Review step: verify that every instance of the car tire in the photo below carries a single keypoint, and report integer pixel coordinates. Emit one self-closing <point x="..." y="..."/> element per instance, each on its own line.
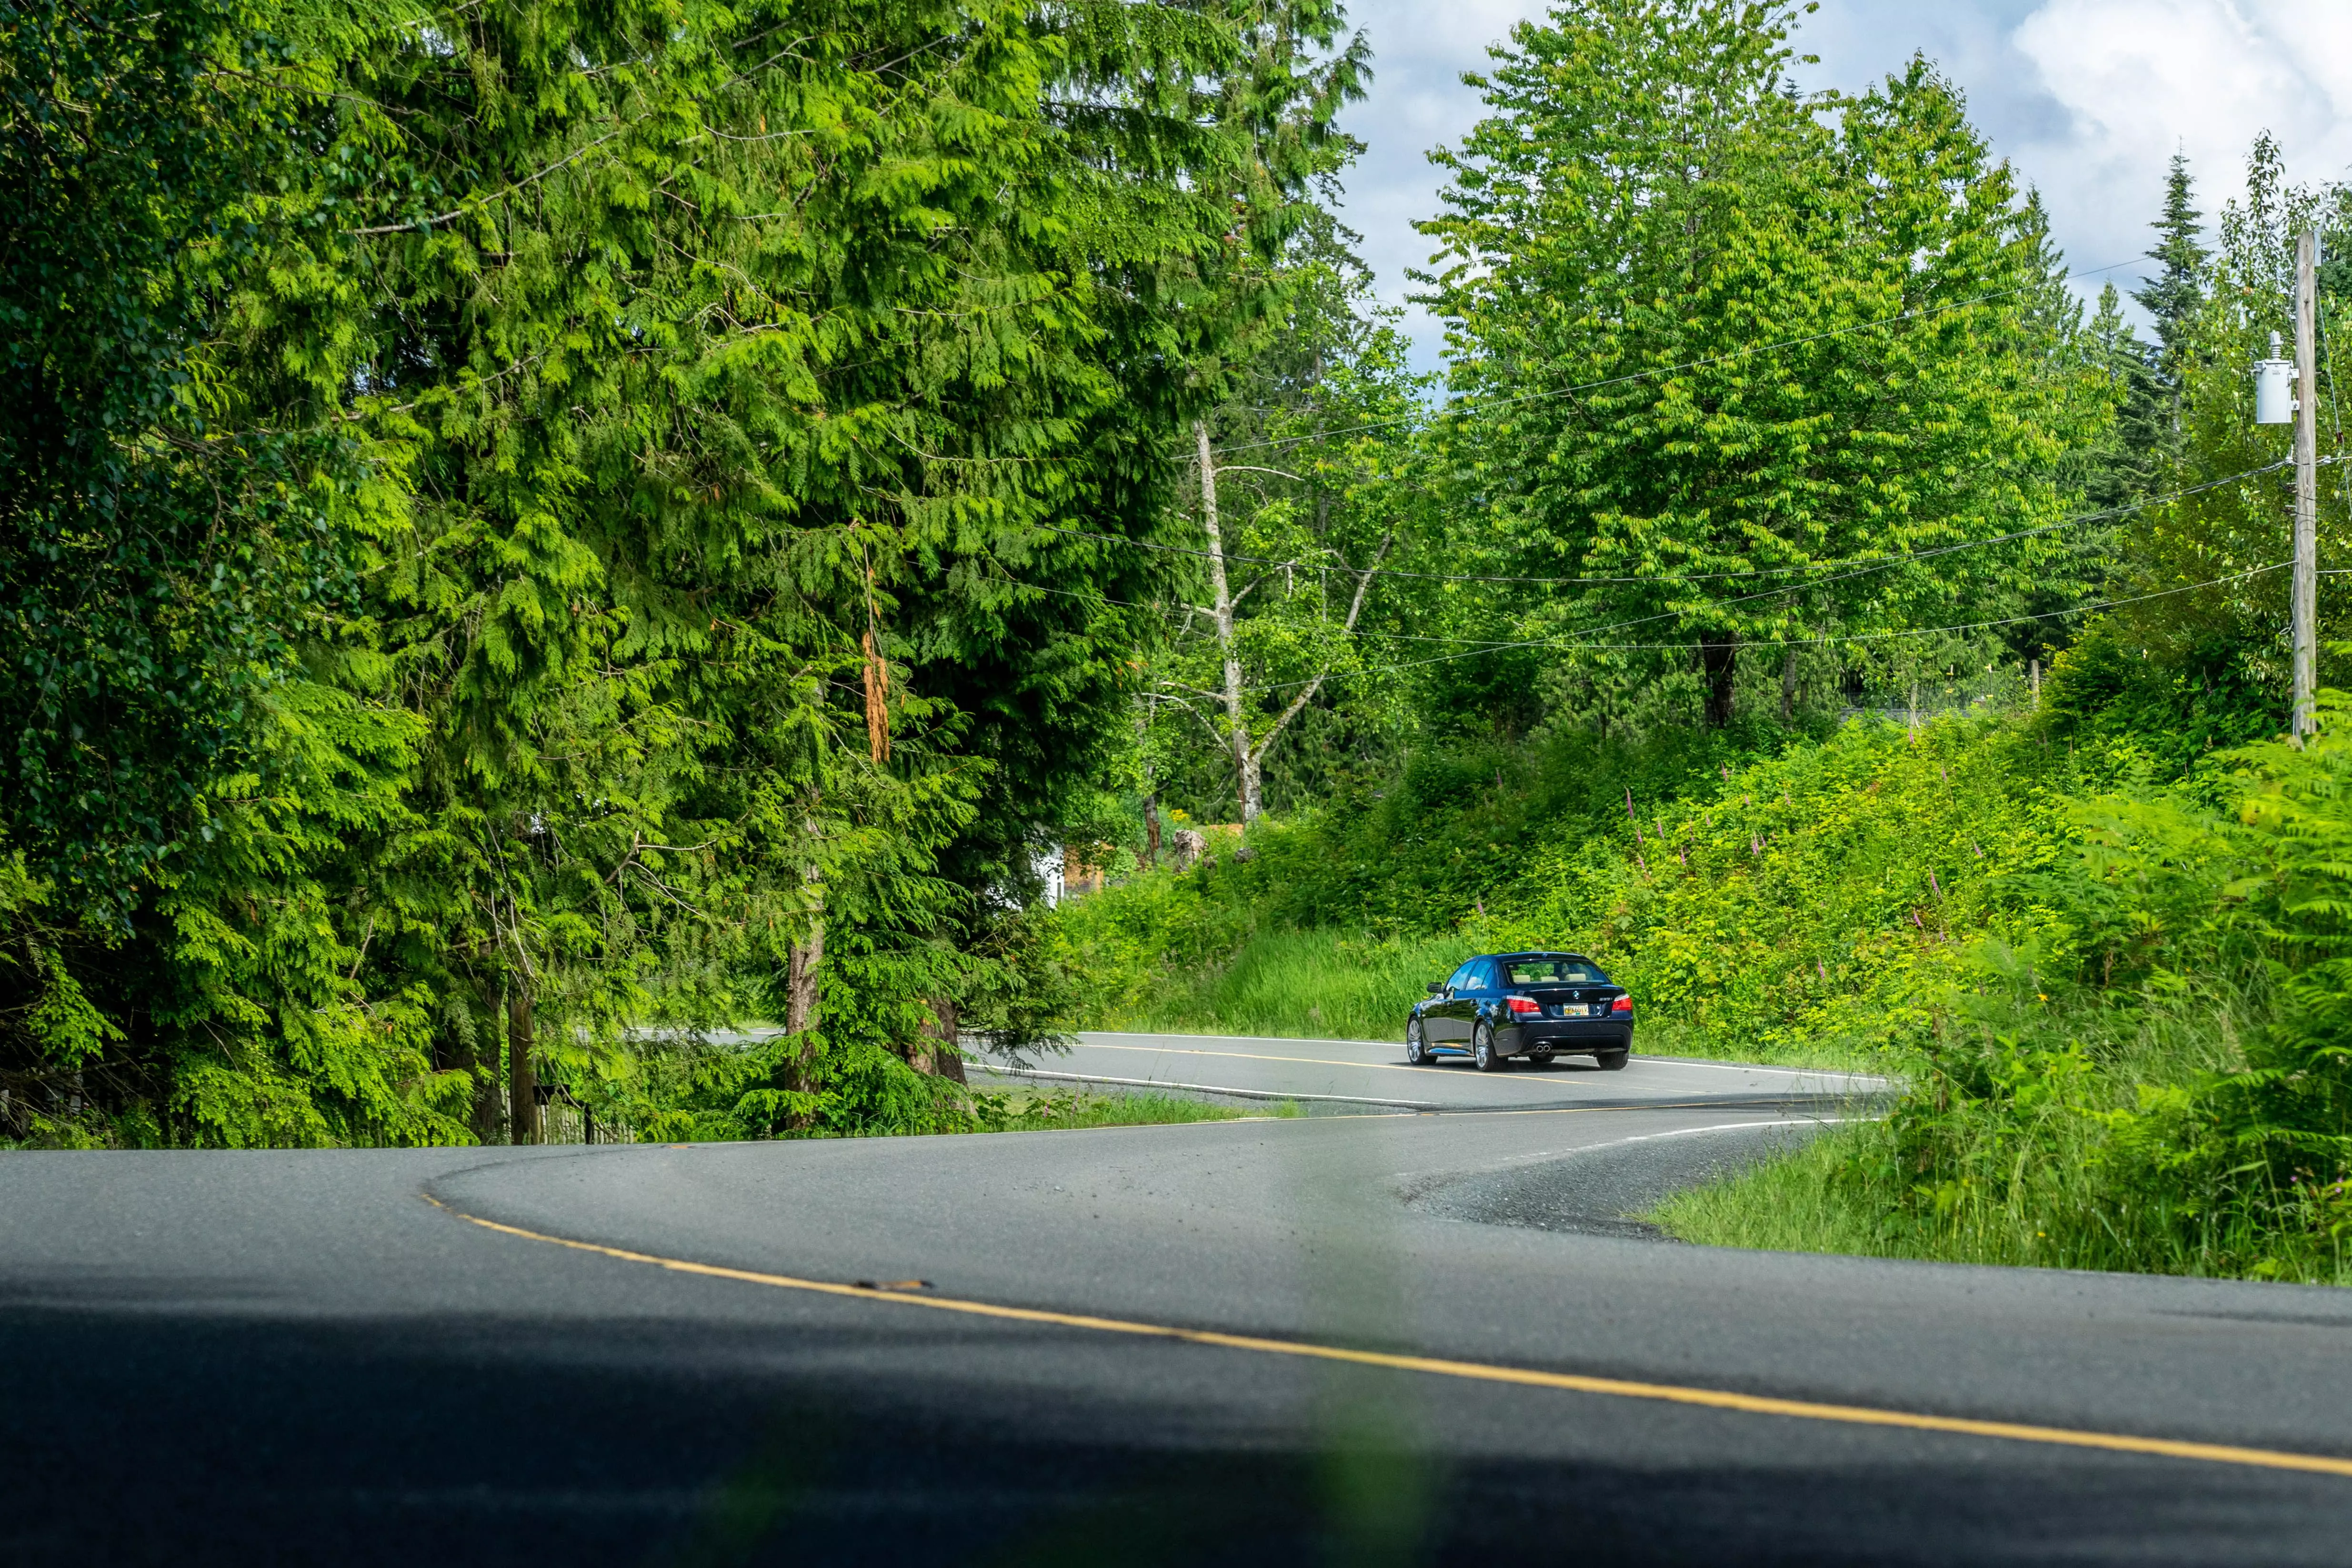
<point x="1610" y="1061"/>
<point x="1417" y="1050"/>
<point x="1481" y="1049"/>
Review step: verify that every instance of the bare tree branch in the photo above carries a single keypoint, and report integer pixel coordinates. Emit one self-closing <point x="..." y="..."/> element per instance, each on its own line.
<point x="1348" y="627"/>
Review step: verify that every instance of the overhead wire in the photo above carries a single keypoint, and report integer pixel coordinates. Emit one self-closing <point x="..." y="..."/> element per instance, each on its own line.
<point x="1473" y="648"/>
<point x="1845" y="640"/>
<point x="1866" y="565"/>
<point x="1875" y="562"/>
<point x="1917" y="313"/>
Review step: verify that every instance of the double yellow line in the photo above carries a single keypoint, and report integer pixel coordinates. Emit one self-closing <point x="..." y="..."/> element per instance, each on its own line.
<point x="1476" y="1372"/>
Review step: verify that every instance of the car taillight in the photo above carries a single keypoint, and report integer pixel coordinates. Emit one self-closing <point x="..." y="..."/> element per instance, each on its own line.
<point x="1523" y="1004"/>
<point x="1622" y="1005"/>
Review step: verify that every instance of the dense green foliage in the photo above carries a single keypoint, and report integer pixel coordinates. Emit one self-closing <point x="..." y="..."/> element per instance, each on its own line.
<point x="534" y="529"/>
<point x="2142" y="1068"/>
<point x="2094" y="931"/>
<point x="1645" y="205"/>
<point x="536" y="534"/>
<point x="1791" y="898"/>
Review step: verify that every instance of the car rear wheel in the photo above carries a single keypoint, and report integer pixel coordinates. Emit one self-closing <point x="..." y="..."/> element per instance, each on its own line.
<point x="1417" y="1050"/>
<point x="1481" y="1049"/>
<point x="1610" y="1061"/>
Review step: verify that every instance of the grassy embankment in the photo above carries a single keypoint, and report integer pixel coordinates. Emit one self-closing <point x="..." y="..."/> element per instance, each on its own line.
<point x="2115" y="980"/>
<point x="1035" y="1109"/>
<point x="2146" y="1065"/>
<point x="1791" y="906"/>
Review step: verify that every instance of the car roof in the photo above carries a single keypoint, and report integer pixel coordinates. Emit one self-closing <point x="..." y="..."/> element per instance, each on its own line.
<point x="1542" y="952"/>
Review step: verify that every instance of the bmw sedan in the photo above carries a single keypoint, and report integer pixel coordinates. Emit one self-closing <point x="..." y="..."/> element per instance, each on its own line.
<point x="1536" y="1005"/>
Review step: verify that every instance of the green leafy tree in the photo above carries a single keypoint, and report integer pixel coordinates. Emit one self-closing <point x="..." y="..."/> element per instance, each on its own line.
<point x="153" y="561"/>
<point x="1303" y="480"/>
<point x="1735" y="360"/>
<point x="710" y="388"/>
<point x="185" y="780"/>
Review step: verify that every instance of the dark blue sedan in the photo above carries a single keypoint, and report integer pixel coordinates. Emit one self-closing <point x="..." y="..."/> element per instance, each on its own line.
<point x="1536" y="1005"/>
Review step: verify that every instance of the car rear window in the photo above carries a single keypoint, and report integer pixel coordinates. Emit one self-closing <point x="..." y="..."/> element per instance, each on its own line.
<point x="1554" y="972"/>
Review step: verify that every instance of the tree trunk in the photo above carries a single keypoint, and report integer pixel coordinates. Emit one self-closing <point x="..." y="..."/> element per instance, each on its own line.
<point x="800" y="980"/>
<point x="1718" y="661"/>
<point x="487" y="1110"/>
<point x="522" y="1079"/>
<point x="1221" y="609"/>
<point x="942" y="1059"/>
<point x="1789" y="687"/>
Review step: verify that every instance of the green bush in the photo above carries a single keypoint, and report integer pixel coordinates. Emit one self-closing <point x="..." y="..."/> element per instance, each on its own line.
<point x="2146" y="1067"/>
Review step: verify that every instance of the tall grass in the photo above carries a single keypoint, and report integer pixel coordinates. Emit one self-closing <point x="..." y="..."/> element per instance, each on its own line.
<point x="1028" y="1110"/>
<point x="2066" y="1206"/>
<point x="1320" y="983"/>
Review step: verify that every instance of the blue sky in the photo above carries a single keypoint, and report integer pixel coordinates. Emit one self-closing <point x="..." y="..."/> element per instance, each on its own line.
<point x="2088" y="99"/>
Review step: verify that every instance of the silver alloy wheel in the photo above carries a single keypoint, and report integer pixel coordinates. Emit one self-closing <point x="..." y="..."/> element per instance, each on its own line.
<point x="1482" y="1047"/>
<point x="1416" y="1050"/>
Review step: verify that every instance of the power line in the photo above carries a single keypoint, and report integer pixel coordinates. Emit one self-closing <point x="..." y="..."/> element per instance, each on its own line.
<point x="1874" y="562"/>
<point x="1474" y="647"/>
<point x="1557" y="645"/>
<point x="1919" y="313"/>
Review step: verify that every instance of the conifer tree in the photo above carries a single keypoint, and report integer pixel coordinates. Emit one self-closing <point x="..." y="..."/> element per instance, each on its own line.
<point x="700" y="400"/>
<point x="2174" y="294"/>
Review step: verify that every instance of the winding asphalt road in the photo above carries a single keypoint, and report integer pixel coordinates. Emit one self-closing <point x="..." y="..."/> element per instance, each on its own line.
<point x="1382" y="1337"/>
<point x="1360" y="1074"/>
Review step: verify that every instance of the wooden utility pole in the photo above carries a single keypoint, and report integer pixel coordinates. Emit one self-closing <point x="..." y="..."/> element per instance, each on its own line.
<point x="2307" y="482"/>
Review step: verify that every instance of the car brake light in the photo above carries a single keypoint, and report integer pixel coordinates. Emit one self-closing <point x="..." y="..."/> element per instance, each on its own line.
<point x="1622" y="1005"/>
<point x="1523" y="1004"/>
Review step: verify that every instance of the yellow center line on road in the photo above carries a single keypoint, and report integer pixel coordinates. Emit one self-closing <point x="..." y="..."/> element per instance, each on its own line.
<point x="1479" y="1372"/>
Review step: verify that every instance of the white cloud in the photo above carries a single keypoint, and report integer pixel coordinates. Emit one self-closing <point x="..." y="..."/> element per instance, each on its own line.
<point x="1417" y="101"/>
<point x="2139" y="78"/>
<point x="2088" y="99"/>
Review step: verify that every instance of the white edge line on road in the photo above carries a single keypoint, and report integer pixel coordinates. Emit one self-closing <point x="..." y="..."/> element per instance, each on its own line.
<point x="1504" y="1164"/>
<point x="1765" y="1097"/>
<point x="1719" y="1127"/>
<point x="985" y="1065"/>
<point x="1314" y="1039"/>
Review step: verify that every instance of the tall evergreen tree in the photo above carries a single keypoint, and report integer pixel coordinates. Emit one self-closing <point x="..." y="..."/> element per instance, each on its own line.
<point x="703" y="394"/>
<point x="2129" y="461"/>
<point x="2174" y="294"/>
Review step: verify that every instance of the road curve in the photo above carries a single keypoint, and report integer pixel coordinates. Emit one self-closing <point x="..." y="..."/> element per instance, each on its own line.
<point x="1375" y="1074"/>
<point x="1257" y="1341"/>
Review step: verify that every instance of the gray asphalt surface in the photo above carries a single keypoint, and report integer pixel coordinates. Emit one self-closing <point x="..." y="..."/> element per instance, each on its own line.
<point x="296" y="1357"/>
<point x="1372" y="1073"/>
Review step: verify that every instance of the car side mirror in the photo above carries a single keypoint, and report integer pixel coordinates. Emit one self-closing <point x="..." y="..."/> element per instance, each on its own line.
<point x="1435" y="987"/>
